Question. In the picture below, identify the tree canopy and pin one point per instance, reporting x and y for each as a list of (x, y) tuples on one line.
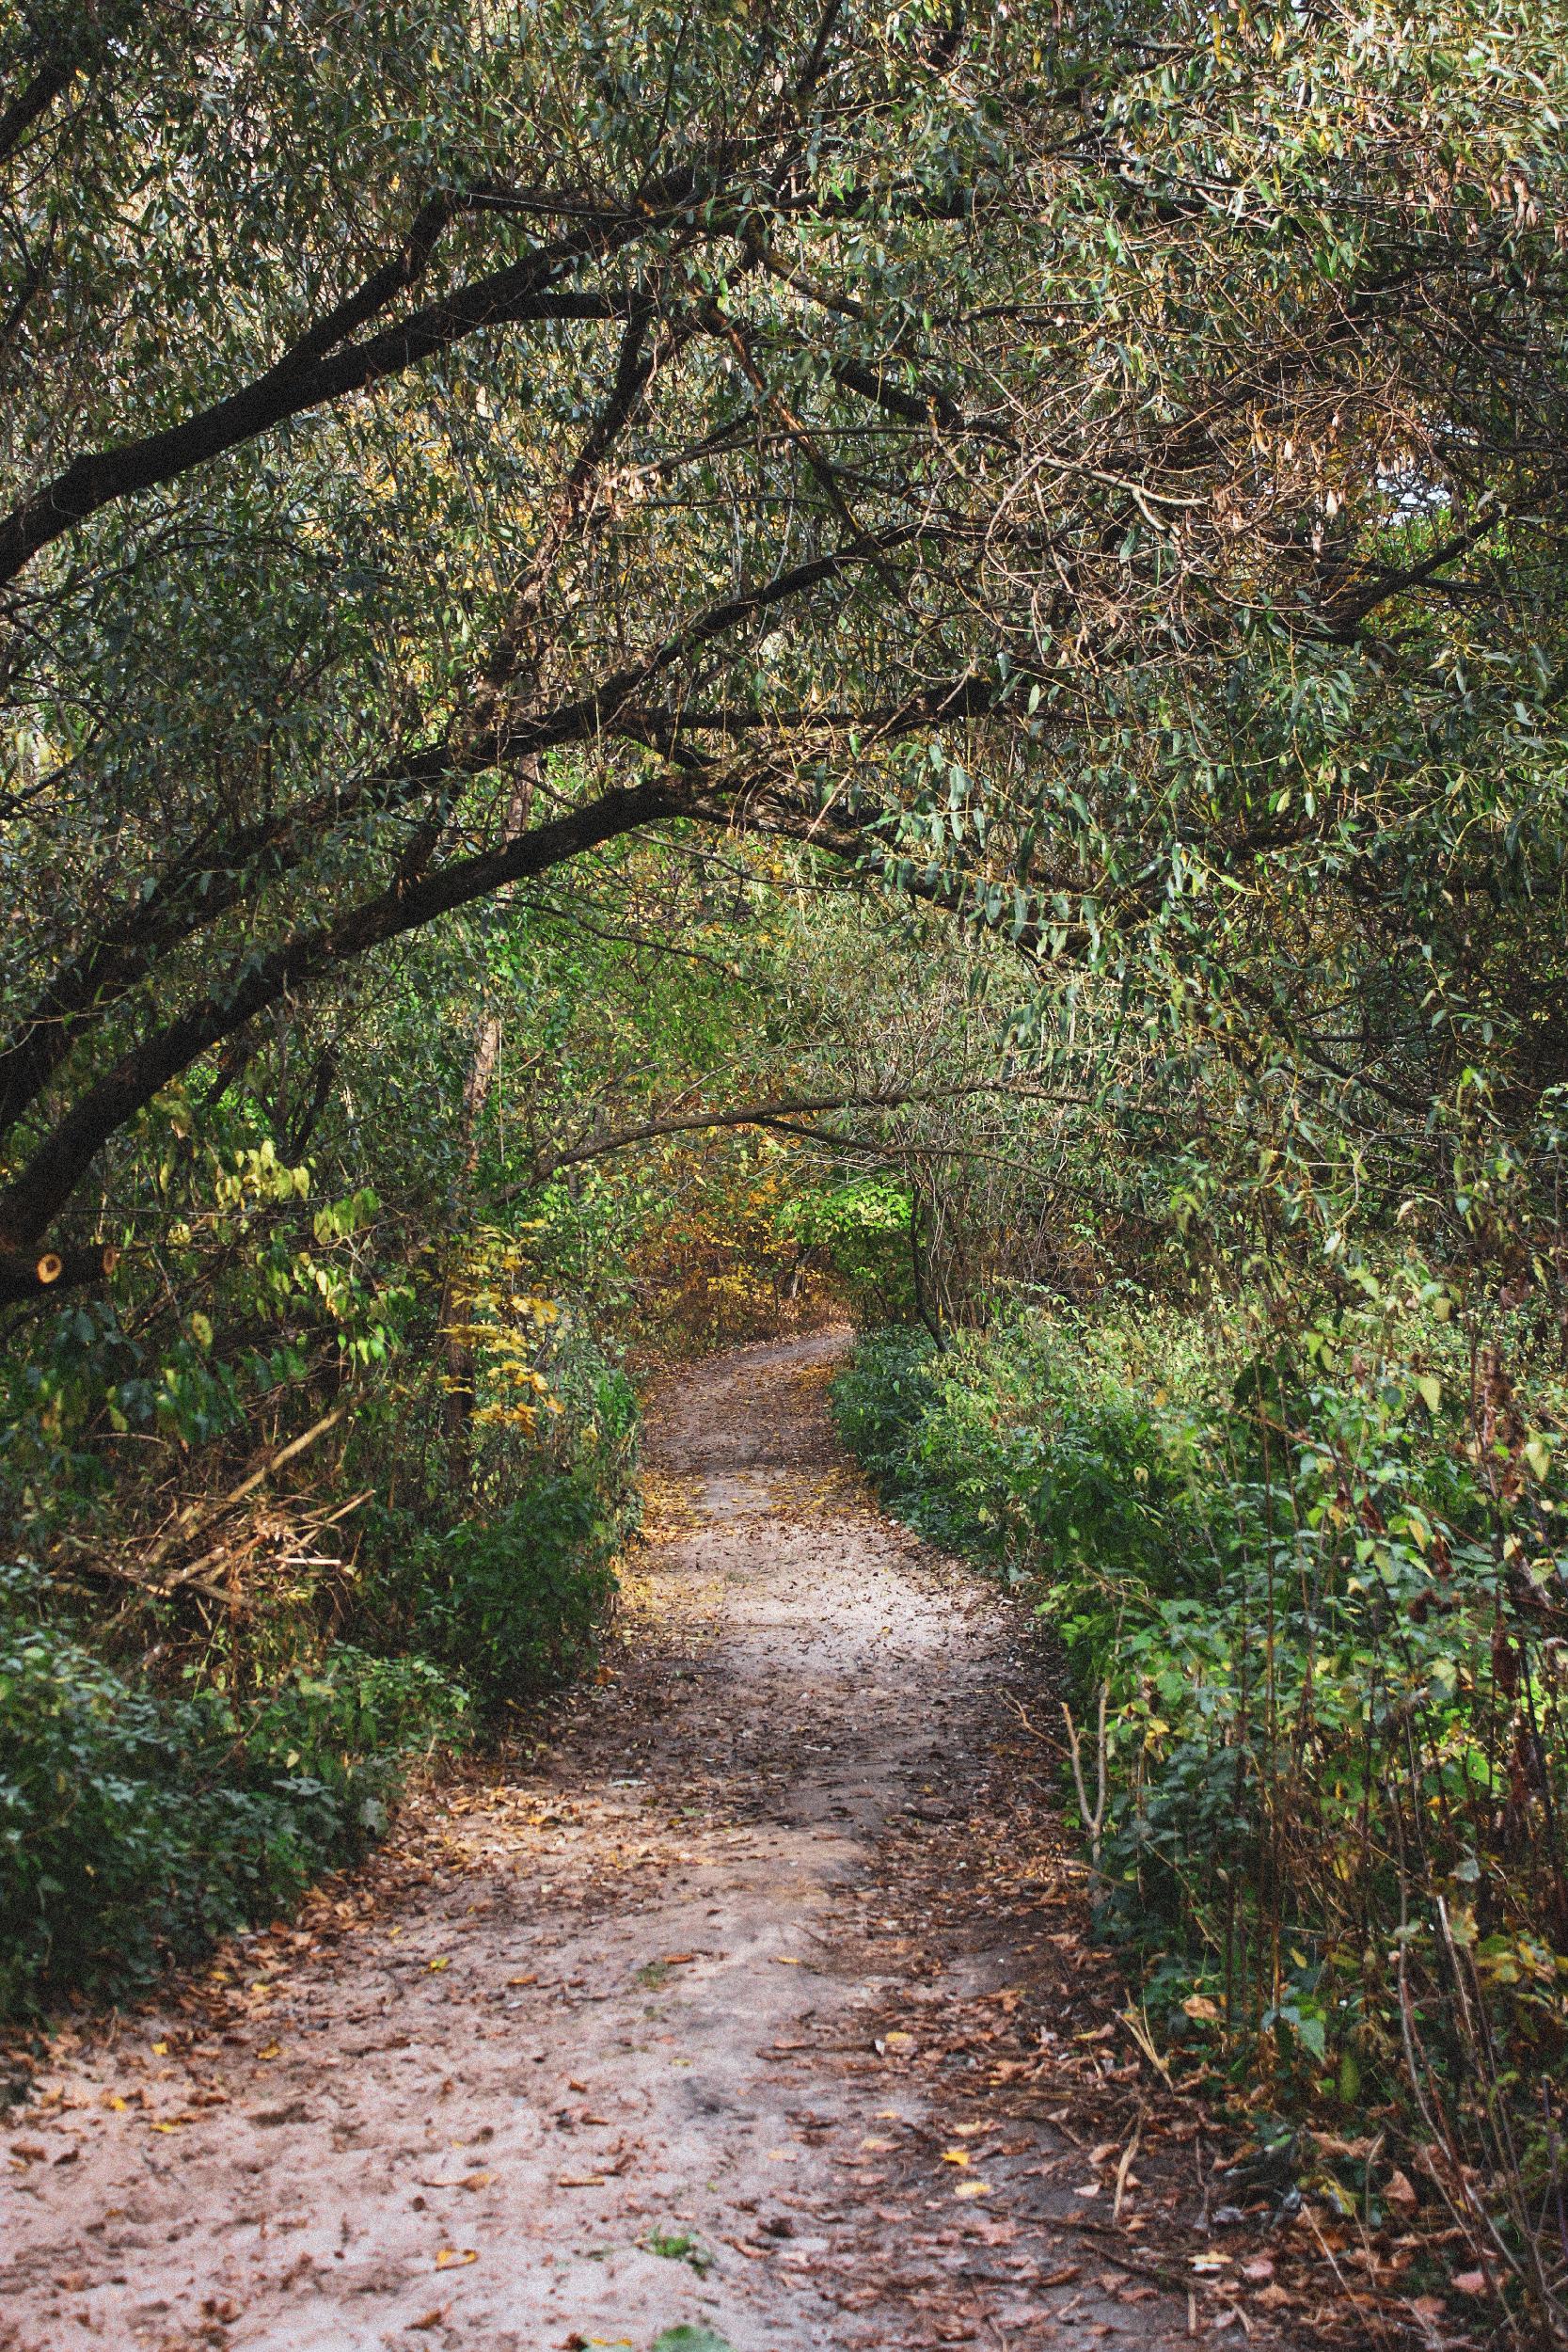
[(1102, 476)]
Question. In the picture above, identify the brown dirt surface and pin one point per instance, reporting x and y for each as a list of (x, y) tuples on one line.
[(755, 1997)]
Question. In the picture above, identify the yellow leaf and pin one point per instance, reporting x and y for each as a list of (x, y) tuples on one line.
[(274, 2049), (956, 2155), (972, 2188), (452, 2257), (439, 1964)]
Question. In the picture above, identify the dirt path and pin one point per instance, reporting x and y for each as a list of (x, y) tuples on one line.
[(707, 1980)]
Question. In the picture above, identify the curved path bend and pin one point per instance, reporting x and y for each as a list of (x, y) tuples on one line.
[(756, 2001)]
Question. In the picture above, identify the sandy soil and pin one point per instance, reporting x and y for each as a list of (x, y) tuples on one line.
[(692, 2019)]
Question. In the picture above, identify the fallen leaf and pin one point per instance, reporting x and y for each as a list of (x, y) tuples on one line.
[(1260, 2269), (994, 2232), (453, 2257), (1470, 2283), (956, 2155), (274, 2049), (579, 2180), (1398, 2190), (533, 1980), (1198, 2006), (972, 2188), (442, 1962), (434, 2319)]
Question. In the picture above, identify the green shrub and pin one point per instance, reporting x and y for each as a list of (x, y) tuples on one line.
[(136, 1825), (144, 1814), (1006, 1446), (516, 1603), (880, 1399), (512, 1597), (1326, 1598)]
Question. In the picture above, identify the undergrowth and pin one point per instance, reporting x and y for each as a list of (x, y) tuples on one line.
[(1319, 1580), (183, 1748)]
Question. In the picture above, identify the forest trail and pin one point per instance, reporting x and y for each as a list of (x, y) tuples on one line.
[(707, 1971)]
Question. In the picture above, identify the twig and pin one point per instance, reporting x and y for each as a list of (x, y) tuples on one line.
[(1094, 1818), (1125, 2166), (1139, 2028), (194, 1515)]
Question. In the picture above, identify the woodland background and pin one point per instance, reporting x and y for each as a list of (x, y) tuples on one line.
[(667, 672)]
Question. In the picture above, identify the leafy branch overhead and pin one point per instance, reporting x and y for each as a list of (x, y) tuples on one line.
[(940, 447)]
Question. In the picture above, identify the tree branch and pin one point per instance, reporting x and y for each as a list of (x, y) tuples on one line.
[(772, 1114), (313, 372), (50, 1176)]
